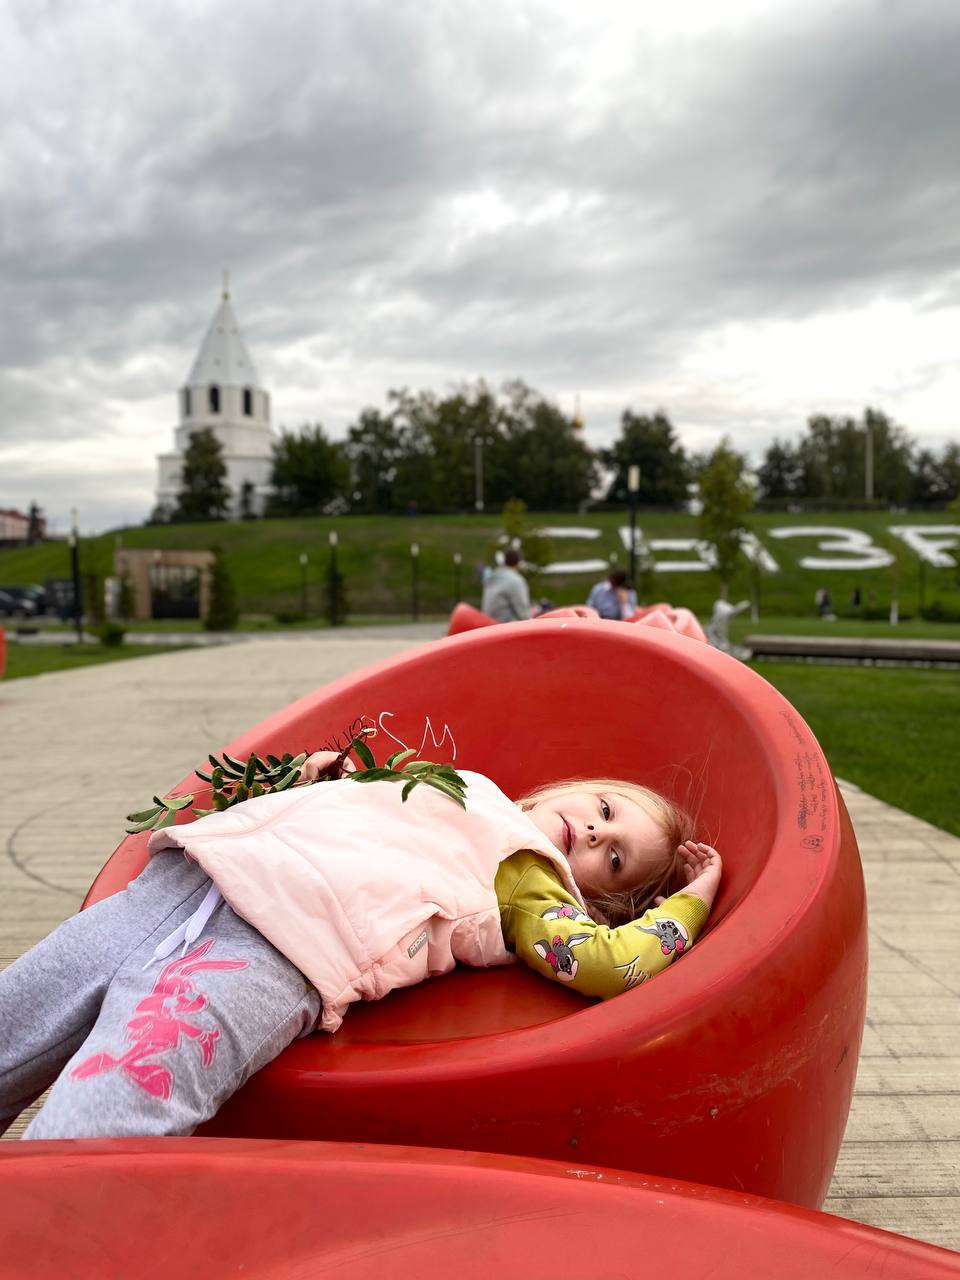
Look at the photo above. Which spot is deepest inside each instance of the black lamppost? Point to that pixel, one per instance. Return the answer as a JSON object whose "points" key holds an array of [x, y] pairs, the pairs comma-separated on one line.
{"points": [[633, 488], [333, 577], [303, 582], [479, 440], [415, 579], [74, 543], [457, 562]]}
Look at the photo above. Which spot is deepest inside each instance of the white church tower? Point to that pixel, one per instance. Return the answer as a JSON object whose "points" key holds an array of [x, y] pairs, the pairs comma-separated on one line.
{"points": [[222, 393]]}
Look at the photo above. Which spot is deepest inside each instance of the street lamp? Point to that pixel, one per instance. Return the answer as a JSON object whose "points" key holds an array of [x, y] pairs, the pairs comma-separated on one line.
{"points": [[303, 582], [74, 543], [415, 578], [478, 442], [633, 488], [333, 577]]}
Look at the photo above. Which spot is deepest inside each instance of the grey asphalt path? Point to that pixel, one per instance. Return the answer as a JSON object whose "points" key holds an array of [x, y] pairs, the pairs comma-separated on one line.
{"points": [[81, 749]]}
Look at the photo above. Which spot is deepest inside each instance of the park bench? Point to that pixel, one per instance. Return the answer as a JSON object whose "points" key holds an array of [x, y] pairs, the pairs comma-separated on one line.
{"points": [[855, 649]]}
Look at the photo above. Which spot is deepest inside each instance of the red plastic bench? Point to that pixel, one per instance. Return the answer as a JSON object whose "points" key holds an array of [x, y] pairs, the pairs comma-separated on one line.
{"points": [[735, 1067]]}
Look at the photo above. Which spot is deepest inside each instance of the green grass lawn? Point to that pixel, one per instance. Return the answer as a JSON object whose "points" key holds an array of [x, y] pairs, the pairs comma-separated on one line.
{"points": [[912, 629], [893, 731], [374, 556], [36, 659]]}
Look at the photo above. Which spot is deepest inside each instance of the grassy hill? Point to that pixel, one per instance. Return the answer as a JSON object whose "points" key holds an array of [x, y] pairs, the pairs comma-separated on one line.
{"points": [[374, 554]]}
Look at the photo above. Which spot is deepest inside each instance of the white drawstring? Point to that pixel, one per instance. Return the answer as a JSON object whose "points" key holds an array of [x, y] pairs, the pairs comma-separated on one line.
{"points": [[191, 928]]}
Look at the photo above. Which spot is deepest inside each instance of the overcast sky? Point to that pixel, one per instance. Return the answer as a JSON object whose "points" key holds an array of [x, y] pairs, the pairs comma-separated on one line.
{"points": [[742, 212]]}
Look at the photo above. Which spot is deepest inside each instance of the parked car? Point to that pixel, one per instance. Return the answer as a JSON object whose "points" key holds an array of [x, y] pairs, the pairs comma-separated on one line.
{"points": [[11, 607], [31, 597]]}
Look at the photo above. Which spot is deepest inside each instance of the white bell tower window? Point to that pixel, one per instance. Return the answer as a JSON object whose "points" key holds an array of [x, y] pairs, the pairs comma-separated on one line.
{"points": [[186, 402], [247, 402], [214, 399]]}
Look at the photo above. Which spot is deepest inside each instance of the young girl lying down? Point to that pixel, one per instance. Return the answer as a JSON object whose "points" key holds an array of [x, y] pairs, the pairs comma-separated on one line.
{"points": [[152, 1007]]}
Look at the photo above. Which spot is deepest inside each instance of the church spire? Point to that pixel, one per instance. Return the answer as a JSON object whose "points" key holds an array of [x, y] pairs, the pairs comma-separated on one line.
{"points": [[223, 359]]}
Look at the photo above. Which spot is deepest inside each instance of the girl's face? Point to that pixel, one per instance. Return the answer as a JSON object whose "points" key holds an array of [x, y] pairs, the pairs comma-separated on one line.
{"points": [[612, 844]]}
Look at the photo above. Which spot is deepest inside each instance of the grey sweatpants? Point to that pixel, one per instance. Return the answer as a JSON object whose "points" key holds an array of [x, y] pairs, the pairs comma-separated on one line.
{"points": [[137, 1051]]}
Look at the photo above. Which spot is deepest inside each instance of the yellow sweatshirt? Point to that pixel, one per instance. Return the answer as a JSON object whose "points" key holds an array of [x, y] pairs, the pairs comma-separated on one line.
{"points": [[548, 929]]}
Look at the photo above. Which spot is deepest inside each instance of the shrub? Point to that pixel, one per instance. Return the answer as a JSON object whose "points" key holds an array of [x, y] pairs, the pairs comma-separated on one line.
{"points": [[110, 634], [222, 614]]}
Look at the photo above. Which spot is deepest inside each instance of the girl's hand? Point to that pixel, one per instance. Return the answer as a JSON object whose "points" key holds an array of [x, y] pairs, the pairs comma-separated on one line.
{"points": [[702, 868], [317, 764]]}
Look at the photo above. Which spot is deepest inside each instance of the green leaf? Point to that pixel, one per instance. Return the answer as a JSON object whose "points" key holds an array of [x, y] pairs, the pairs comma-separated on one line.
{"points": [[240, 794], [286, 758], [147, 825], [408, 787], [218, 778], [298, 760], [165, 822], [445, 771], [234, 768], [363, 753], [145, 814], [203, 813], [204, 776], [399, 755], [448, 791], [249, 771], [176, 803], [215, 762], [377, 775], [258, 764], [418, 766], [273, 762], [220, 802], [287, 780], [256, 790]]}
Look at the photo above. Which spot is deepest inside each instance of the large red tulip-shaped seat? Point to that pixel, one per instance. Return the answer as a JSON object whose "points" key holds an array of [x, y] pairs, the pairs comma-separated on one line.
{"points": [[736, 1066], [198, 1208]]}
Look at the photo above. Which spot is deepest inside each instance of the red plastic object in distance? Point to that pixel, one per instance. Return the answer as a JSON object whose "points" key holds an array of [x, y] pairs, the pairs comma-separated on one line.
{"points": [[735, 1067], [289, 1209]]}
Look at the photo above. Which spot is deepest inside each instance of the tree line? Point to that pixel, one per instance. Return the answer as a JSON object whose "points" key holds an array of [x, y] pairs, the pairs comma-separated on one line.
{"points": [[433, 453]]}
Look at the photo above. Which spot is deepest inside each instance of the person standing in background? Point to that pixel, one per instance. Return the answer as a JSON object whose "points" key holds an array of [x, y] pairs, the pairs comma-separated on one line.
{"points": [[506, 596]]}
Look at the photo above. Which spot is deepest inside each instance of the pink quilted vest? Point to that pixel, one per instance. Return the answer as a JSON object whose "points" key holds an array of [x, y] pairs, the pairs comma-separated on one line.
{"points": [[362, 892]]}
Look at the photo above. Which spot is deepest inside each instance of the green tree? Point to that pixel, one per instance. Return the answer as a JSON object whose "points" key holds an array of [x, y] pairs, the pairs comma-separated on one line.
{"points": [[727, 497], [780, 473], [248, 510], [649, 443], [222, 614], [204, 494], [373, 448], [546, 463], [308, 472], [437, 466], [832, 459], [537, 550]]}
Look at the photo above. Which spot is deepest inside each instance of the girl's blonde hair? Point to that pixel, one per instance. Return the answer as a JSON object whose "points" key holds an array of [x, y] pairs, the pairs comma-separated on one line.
{"points": [[677, 826]]}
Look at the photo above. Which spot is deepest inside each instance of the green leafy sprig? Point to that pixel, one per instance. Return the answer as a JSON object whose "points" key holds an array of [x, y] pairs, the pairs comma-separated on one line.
{"points": [[233, 781], [441, 776]]}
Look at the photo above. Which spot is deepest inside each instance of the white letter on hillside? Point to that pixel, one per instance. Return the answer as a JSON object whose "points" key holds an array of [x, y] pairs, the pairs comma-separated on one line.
{"points": [[857, 547], [931, 542]]}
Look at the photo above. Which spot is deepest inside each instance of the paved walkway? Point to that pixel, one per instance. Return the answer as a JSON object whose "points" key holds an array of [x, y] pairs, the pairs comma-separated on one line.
{"points": [[80, 749]]}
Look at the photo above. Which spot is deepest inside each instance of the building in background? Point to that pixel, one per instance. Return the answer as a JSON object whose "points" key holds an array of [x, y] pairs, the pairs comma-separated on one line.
{"points": [[18, 529], [223, 393]]}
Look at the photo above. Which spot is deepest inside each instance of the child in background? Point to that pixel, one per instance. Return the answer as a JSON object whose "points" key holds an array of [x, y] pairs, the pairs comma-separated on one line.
{"points": [[154, 1006]]}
